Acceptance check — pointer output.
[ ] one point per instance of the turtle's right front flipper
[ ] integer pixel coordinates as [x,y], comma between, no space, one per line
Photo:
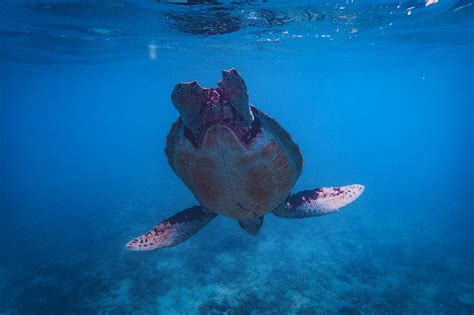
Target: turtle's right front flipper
[173,230]
[316,202]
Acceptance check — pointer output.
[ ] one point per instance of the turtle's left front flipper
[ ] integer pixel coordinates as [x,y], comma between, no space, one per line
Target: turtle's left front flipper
[173,230]
[316,202]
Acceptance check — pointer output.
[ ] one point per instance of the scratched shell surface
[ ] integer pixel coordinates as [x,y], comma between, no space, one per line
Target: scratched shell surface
[231,179]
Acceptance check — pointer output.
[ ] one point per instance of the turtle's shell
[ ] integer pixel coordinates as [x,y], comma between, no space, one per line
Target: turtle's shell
[242,181]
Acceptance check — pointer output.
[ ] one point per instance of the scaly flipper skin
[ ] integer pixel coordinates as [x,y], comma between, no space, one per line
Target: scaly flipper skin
[310,203]
[233,88]
[173,230]
[188,97]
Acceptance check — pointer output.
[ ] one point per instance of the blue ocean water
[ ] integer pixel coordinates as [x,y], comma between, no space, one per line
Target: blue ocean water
[378,93]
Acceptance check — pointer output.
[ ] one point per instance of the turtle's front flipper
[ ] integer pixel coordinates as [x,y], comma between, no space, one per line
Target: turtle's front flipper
[316,202]
[173,230]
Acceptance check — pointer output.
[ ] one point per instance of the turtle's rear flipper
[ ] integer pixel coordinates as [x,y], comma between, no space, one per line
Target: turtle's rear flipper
[251,225]
[316,202]
[173,230]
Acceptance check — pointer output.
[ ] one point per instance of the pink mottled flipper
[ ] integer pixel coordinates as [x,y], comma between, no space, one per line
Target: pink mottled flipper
[173,230]
[316,202]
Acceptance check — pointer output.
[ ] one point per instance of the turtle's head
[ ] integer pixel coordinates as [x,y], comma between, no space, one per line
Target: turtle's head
[201,108]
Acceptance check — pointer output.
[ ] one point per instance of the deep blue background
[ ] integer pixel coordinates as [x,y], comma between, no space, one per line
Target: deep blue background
[83,170]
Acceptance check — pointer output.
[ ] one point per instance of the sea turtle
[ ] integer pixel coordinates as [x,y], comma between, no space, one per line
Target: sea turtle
[237,161]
